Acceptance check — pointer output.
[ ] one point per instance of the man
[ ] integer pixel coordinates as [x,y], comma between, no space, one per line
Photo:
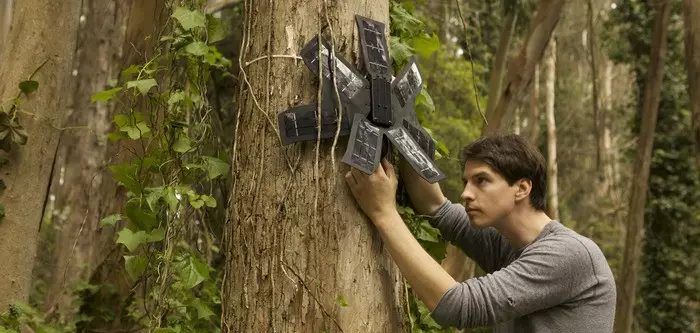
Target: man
[541,275]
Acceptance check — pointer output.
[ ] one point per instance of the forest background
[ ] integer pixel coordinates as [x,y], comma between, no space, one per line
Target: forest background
[144,187]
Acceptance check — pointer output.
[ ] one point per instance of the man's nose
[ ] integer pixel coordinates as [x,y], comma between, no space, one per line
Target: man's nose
[467,195]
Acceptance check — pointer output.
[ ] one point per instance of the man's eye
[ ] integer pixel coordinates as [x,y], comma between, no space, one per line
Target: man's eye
[481,180]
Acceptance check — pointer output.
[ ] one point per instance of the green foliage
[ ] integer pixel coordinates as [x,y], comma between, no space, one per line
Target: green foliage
[670,274]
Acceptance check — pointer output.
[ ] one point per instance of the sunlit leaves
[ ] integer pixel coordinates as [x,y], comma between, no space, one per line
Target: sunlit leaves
[143,86]
[28,87]
[192,272]
[215,167]
[189,19]
[135,266]
[106,95]
[111,220]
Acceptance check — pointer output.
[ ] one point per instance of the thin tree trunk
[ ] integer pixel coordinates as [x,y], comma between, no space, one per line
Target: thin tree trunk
[609,152]
[627,285]
[499,65]
[516,123]
[521,69]
[299,249]
[534,115]
[550,80]
[597,116]
[40,44]
[692,60]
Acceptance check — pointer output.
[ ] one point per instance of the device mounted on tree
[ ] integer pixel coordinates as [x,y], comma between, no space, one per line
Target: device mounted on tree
[375,107]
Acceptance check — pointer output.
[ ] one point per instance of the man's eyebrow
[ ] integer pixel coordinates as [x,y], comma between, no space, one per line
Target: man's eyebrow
[478,174]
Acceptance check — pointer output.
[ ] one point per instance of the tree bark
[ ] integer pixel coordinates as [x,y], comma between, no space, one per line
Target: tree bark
[499,65]
[37,38]
[597,115]
[522,68]
[299,249]
[692,60]
[550,80]
[533,122]
[627,284]
[5,21]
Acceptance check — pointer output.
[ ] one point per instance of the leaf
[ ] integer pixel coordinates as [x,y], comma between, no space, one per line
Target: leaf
[209,201]
[426,45]
[136,132]
[166,330]
[171,198]
[105,95]
[182,145]
[440,146]
[154,194]
[156,235]
[19,135]
[122,120]
[116,136]
[189,19]
[176,97]
[197,203]
[143,86]
[130,239]
[215,167]
[197,48]
[111,220]
[215,30]
[140,215]
[127,175]
[400,52]
[192,272]
[129,72]
[341,301]
[28,87]
[135,266]
[203,311]
[2,213]
[425,102]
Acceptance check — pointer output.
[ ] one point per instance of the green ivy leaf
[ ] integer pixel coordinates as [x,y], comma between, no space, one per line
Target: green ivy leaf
[132,240]
[143,86]
[341,301]
[176,97]
[135,266]
[154,194]
[189,19]
[106,95]
[111,220]
[400,52]
[215,30]
[442,148]
[197,48]
[166,330]
[138,131]
[28,87]
[215,167]
[426,45]
[192,272]
[203,311]
[140,215]
[156,235]
[129,72]
[197,203]
[127,175]
[182,145]
[209,201]
[116,136]
[171,198]
[424,102]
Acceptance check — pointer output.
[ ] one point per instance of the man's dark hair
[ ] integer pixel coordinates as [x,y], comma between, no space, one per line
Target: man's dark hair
[514,158]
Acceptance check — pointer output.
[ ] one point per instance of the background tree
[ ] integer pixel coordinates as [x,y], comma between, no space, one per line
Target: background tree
[40,50]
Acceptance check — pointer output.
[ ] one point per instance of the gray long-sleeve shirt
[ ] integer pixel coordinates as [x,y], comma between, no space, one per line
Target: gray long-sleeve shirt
[560,282]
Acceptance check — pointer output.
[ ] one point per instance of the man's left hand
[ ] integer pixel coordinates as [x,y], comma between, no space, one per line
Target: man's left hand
[375,193]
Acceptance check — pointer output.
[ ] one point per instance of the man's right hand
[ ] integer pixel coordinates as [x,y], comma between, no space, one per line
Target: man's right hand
[426,197]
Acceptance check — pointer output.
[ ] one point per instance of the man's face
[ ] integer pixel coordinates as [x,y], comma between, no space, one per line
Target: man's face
[487,196]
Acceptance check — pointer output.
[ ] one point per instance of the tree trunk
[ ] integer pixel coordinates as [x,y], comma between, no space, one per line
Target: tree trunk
[5,21]
[40,44]
[522,68]
[550,80]
[533,122]
[627,285]
[692,59]
[301,255]
[83,185]
[597,116]
[499,65]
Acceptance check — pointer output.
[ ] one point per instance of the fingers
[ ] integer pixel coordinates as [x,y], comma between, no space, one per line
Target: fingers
[350,179]
[357,174]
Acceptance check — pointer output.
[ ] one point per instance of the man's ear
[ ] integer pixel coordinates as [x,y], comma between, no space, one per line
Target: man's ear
[524,187]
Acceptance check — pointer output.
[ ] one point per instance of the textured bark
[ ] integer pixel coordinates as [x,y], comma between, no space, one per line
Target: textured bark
[692,60]
[522,68]
[550,80]
[627,286]
[597,115]
[82,185]
[291,258]
[5,21]
[37,37]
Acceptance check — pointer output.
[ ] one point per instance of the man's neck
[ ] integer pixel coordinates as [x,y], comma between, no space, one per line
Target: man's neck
[523,225]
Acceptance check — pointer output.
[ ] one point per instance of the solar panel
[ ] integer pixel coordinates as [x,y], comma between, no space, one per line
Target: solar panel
[374,45]
[422,138]
[407,85]
[364,147]
[350,82]
[420,162]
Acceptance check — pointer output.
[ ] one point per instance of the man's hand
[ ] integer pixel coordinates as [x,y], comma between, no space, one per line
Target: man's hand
[375,193]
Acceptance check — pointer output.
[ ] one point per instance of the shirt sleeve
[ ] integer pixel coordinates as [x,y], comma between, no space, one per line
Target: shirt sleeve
[548,273]
[485,246]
